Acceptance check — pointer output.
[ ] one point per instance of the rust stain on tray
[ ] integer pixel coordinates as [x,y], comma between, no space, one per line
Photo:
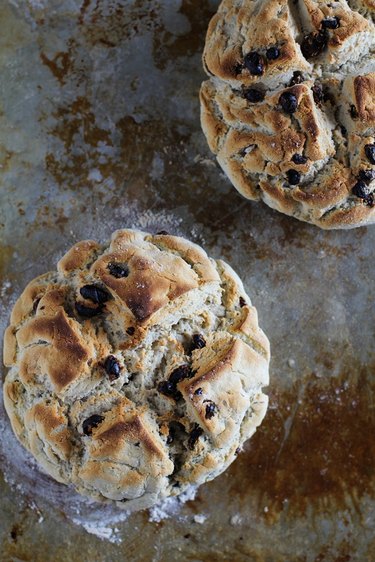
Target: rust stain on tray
[313,449]
[60,65]
[76,126]
[6,253]
[112,24]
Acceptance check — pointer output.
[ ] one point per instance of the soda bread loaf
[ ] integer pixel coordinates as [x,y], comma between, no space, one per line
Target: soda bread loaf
[135,369]
[289,108]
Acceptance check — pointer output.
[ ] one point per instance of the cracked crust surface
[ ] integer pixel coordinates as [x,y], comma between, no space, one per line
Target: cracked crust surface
[136,369]
[332,125]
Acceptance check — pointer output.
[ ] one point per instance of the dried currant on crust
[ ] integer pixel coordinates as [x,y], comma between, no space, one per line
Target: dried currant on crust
[317,91]
[94,293]
[180,373]
[273,53]
[112,367]
[299,159]
[211,409]
[254,63]
[353,112]
[314,44]
[194,435]
[297,78]
[197,342]
[169,387]
[370,152]
[288,102]
[367,175]
[91,423]
[360,189]
[253,95]
[330,23]
[294,177]
[118,270]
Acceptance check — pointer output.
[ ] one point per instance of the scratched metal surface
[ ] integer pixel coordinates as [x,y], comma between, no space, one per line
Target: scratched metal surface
[99,129]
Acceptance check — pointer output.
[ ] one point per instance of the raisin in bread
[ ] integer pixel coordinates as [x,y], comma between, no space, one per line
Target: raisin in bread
[135,369]
[289,109]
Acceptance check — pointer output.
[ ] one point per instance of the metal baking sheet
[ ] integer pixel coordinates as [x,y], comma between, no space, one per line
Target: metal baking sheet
[99,129]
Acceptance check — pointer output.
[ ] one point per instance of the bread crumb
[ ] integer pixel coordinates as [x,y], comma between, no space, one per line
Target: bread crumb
[200,518]
[236,519]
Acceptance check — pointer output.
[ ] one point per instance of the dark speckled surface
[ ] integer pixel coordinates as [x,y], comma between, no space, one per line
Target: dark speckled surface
[99,129]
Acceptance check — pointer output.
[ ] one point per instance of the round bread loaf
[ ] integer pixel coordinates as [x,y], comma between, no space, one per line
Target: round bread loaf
[289,109]
[136,368]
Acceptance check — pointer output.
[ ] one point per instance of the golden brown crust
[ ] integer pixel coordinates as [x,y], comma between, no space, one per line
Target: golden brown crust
[190,253]
[12,395]
[334,118]
[352,24]
[124,455]
[29,299]
[364,88]
[146,289]
[219,394]
[245,27]
[93,349]
[348,217]
[156,277]
[365,6]
[63,356]
[10,346]
[77,256]
[50,424]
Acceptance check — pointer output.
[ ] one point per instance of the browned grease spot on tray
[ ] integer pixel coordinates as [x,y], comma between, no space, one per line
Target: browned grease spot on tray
[315,448]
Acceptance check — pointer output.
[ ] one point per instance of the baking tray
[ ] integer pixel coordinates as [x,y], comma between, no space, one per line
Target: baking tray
[99,129]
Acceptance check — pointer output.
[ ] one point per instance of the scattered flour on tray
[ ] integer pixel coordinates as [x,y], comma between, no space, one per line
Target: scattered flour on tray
[104,529]
[171,506]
